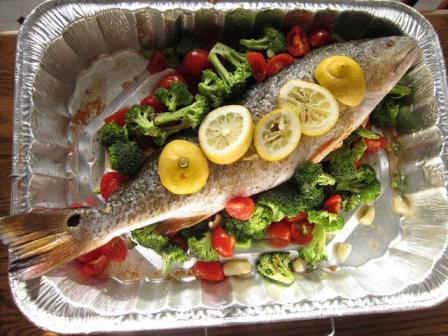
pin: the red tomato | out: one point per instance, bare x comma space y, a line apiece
76, 205
118, 117
92, 255
297, 42
258, 65
154, 103
278, 62
222, 242
211, 271
157, 62
302, 232
116, 249
91, 201
375, 145
358, 164
300, 216
95, 267
168, 80
240, 207
319, 38
333, 204
110, 182
278, 234
195, 61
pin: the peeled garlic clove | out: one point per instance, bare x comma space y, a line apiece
237, 267
299, 265
366, 215
343, 250
400, 205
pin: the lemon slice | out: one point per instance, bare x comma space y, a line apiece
316, 107
344, 77
277, 134
226, 133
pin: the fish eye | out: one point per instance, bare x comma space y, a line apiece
74, 220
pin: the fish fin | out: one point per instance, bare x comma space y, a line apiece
38, 241
171, 226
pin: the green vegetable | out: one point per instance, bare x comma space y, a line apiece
272, 40
148, 238
358, 150
186, 44
400, 91
172, 253
314, 252
398, 183
243, 245
312, 198
367, 134
310, 175
196, 230
253, 228
330, 221
111, 134
202, 248
386, 113
125, 157
283, 200
139, 122
213, 87
176, 96
350, 201
342, 164
235, 79
275, 266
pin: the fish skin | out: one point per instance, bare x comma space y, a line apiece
144, 201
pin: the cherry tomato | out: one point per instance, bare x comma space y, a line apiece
297, 42
110, 182
240, 207
195, 61
278, 234
258, 65
95, 267
319, 38
374, 145
116, 249
169, 79
76, 205
91, 201
333, 204
278, 62
298, 217
157, 62
118, 117
154, 103
302, 232
358, 164
211, 271
92, 255
222, 242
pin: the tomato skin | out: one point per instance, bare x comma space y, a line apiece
374, 145
258, 65
302, 232
154, 103
95, 267
297, 42
118, 117
298, 217
222, 242
110, 182
278, 234
116, 249
76, 205
319, 38
333, 204
170, 79
240, 207
278, 62
92, 255
210, 271
195, 61
157, 62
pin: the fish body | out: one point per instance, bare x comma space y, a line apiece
42, 241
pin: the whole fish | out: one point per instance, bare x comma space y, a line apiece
41, 241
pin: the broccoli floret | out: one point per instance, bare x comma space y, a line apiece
111, 134
367, 134
342, 165
312, 198
314, 252
196, 230
385, 114
139, 122
330, 221
176, 96
187, 117
172, 253
125, 157
358, 150
312, 174
283, 200
202, 248
213, 88
364, 183
186, 44
253, 228
275, 266
399, 91
350, 201
148, 238
272, 40
237, 78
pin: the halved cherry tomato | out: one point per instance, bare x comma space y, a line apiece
154, 103
118, 117
278, 62
95, 267
278, 234
258, 65
92, 255
211, 271
157, 62
169, 79
333, 204
297, 42
319, 38
298, 217
222, 242
110, 182
195, 61
374, 145
302, 232
240, 207
116, 249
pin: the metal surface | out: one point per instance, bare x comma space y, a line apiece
77, 55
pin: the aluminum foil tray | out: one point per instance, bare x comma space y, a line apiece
75, 57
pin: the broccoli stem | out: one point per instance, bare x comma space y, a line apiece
259, 44
220, 69
169, 117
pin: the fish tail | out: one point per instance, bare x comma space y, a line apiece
39, 241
